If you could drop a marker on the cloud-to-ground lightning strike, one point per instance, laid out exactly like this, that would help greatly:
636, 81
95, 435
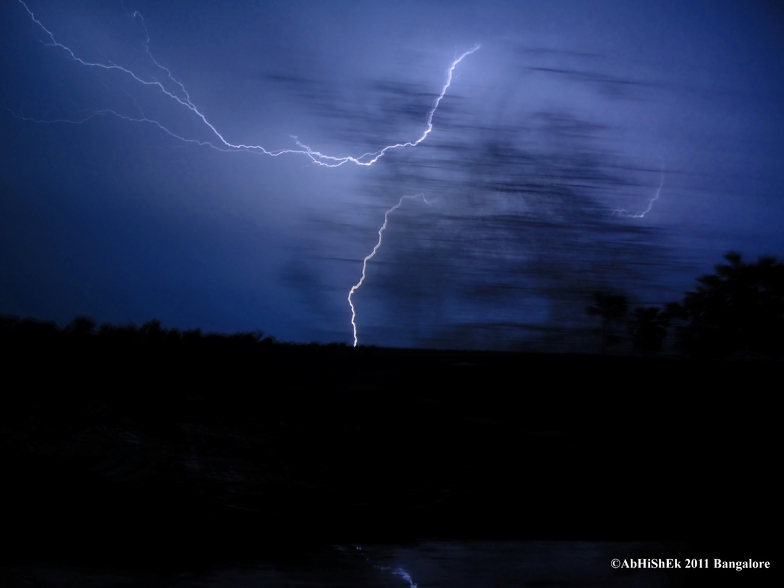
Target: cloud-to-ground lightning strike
182, 97
172, 89
356, 286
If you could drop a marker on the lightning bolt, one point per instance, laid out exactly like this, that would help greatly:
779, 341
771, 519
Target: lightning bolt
370, 256
173, 89
622, 212
182, 97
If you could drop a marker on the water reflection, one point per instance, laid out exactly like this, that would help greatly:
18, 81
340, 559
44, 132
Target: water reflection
421, 565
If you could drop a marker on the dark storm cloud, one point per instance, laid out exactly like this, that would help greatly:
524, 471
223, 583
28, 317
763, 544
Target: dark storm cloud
606, 83
536, 237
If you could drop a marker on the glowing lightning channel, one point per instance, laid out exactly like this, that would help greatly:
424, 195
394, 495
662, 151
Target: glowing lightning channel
625, 213
183, 98
372, 253
379, 154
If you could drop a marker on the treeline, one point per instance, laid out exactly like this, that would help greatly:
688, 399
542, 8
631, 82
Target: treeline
736, 312
83, 329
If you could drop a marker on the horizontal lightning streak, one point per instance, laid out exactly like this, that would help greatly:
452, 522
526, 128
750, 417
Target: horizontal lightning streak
184, 99
370, 256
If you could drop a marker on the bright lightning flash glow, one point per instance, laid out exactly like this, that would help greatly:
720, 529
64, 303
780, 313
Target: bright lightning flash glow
181, 96
371, 254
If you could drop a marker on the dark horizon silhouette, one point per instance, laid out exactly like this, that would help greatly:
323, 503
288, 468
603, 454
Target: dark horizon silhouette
738, 311
201, 441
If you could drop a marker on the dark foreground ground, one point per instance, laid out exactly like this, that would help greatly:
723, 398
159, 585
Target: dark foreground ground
152, 459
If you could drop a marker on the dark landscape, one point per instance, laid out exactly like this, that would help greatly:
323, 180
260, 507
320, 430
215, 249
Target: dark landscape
129, 449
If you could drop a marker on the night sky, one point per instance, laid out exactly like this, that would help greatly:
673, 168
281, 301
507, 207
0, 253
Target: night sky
585, 146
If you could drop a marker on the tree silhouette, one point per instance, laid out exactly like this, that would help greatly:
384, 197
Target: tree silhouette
611, 308
737, 310
648, 328
81, 326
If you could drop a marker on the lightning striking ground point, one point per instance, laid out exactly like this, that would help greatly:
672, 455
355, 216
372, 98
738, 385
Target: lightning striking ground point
371, 254
182, 97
